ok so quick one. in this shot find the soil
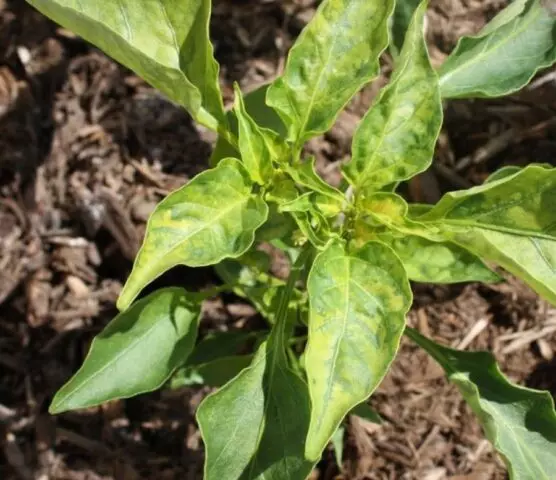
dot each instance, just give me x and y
(86, 151)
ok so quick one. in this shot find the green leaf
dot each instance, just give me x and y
(303, 173)
(193, 226)
(264, 116)
(502, 173)
(504, 56)
(358, 303)
(511, 222)
(400, 23)
(396, 138)
(216, 359)
(337, 441)
(255, 143)
(312, 228)
(335, 55)
(364, 411)
(165, 41)
(438, 262)
(278, 226)
(220, 344)
(215, 373)
(509, 170)
(255, 426)
(520, 422)
(303, 203)
(136, 353)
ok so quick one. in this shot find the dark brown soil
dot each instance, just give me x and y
(86, 151)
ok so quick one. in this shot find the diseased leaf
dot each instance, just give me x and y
(165, 41)
(193, 226)
(358, 303)
(396, 138)
(335, 55)
(521, 204)
(530, 258)
(255, 426)
(135, 353)
(383, 207)
(511, 222)
(520, 422)
(438, 262)
(254, 143)
(504, 56)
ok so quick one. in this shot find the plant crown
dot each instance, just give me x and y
(353, 249)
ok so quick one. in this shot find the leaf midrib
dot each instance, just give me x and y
(496, 228)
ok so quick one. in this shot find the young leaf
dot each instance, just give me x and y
(335, 55)
(438, 262)
(264, 116)
(304, 174)
(337, 441)
(358, 303)
(396, 138)
(166, 42)
(255, 143)
(135, 353)
(255, 426)
(504, 56)
(520, 422)
(511, 222)
(401, 19)
(193, 226)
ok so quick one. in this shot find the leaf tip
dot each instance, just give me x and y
(58, 404)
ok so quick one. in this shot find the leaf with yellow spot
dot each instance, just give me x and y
(211, 218)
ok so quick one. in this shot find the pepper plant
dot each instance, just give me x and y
(335, 325)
